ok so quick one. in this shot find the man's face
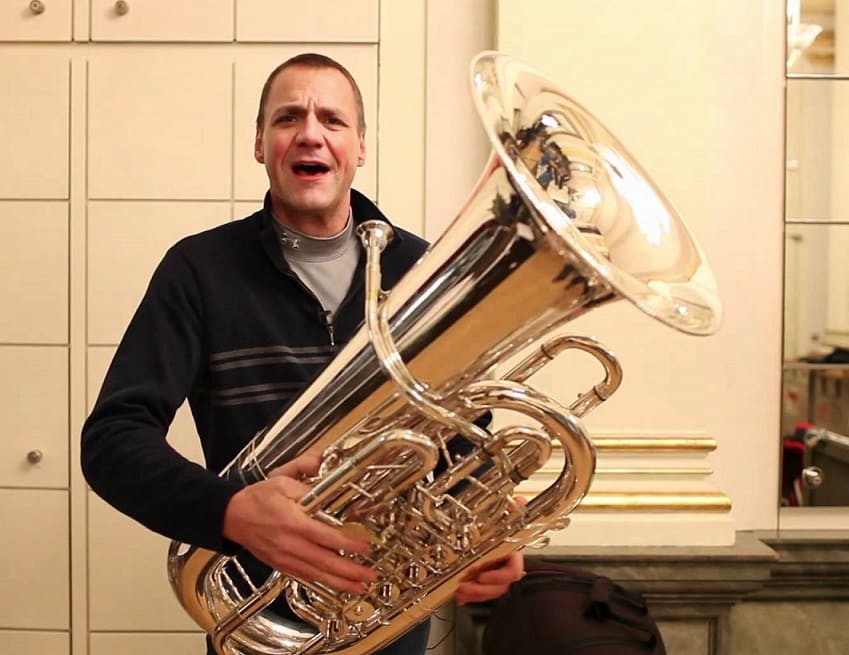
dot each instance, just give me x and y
(311, 147)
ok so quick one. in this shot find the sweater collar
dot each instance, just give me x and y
(362, 209)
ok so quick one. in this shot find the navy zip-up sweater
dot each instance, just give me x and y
(226, 324)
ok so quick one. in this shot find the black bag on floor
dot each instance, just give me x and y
(557, 610)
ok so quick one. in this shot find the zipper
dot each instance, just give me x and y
(357, 282)
(323, 314)
(328, 323)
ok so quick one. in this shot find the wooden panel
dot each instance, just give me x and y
(126, 241)
(35, 643)
(124, 555)
(34, 284)
(347, 21)
(164, 131)
(34, 589)
(147, 644)
(243, 209)
(252, 70)
(20, 20)
(34, 416)
(162, 20)
(34, 120)
(128, 586)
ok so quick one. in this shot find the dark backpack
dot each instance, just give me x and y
(557, 610)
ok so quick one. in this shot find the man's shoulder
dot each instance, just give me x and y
(226, 234)
(406, 244)
(409, 243)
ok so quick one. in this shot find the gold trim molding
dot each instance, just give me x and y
(639, 495)
(652, 444)
(666, 501)
(649, 501)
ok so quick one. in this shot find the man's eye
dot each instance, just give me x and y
(333, 120)
(286, 118)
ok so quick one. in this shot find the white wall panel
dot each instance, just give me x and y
(146, 644)
(694, 90)
(346, 21)
(34, 421)
(36, 554)
(162, 20)
(34, 280)
(126, 241)
(22, 642)
(456, 146)
(129, 589)
(159, 124)
(34, 120)
(27, 21)
(128, 585)
(403, 116)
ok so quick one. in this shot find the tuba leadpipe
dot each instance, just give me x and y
(561, 221)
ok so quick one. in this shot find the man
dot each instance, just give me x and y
(238, 320)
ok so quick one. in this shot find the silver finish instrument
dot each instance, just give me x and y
(562, 220)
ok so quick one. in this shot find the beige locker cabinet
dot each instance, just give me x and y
(147, 644)
(34, 589)
(160, 124)
(34, 420)
(35, 20)
(126, 241)
(340, 21)
(252, 69)
(124, 555)
(34, 125)
(128, 586)
(25, 642)
(34, 280)
(243, 209)
(161, 20)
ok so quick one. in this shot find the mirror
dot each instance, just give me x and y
(815, 385)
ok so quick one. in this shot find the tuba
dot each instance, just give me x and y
(562, 220)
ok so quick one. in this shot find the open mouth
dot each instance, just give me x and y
(310, 169)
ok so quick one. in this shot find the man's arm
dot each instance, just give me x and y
(125, 456)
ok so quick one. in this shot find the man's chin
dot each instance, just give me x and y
(307, 210)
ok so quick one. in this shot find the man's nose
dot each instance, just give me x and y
(310, 132)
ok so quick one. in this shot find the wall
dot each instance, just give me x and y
(694, 89)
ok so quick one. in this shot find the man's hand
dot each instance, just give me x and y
(492, 580)
(266, 519)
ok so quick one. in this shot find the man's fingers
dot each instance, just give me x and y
(330, 537)
(303, 466)
(492, 580)
(301, 556)
(333, 571)
(501, 576)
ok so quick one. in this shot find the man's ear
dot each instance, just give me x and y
(259, 155)
(362, 157)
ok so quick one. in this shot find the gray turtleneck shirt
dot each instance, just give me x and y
(324, 264)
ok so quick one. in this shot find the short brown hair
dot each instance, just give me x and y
(312, 60)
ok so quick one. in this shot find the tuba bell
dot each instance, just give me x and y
(562, 220)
